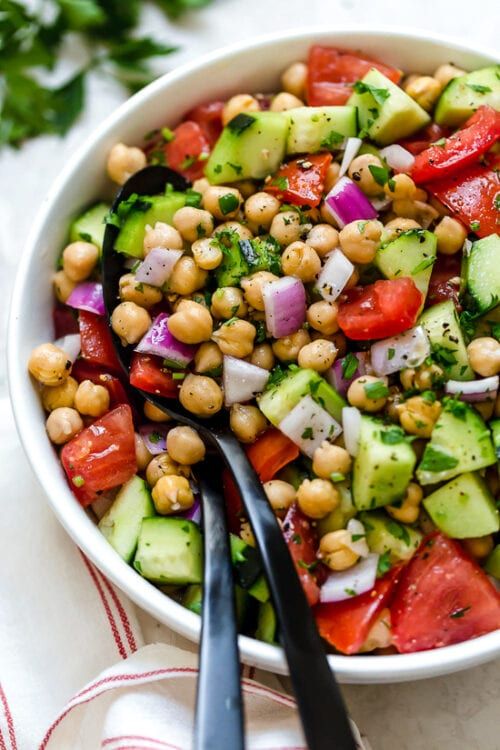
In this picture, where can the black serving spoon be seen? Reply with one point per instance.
(319, 700)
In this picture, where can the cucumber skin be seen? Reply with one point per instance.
(90, 225)
(131, 236)
(483, 273)
(122, 523)
(458, 101)
(155, 558)
(433, 320)
(405, 253)
(463, 508)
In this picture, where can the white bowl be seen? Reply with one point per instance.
(254, 66)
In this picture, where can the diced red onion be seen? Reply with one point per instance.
(334, 275)
(358, 545)
(351, 149)
(242, 381)
(308, 425)
(335, 374)
(87, 296)
(155, 437)
(351, 423)
(157, 266)
(408, 349)
(194, 512)
(160, 342)
(285, 306)
(71, 344)
(346, 202)
(467, 247)
(346, 584)
(398, 158)
(474, 390)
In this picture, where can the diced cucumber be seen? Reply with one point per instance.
(383, 468)
(266, 623)
(251, 146)
(447, 342)
(319, 128)
(483, 273)
(339, 517)
(495, 431)
(122, 522)
(169, 550)
(463, 95)
(384, 534)
(385, 112)
(411, 254)
(90, 225)
(246, 561)
(260, 590)
(463, 508)
(193, 597)
(278, 400)
(492, 565)
(130, 240)
(460, 442)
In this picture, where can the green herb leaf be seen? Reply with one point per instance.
(380, 95)
(392, 435)
(228, 203)
(435, 460)
(398, 531)
(308, 434)
(458, 613)
(390, 353)
(376, 390)
(479, 89)
(475, 226)
(240, 123)
(350, 365)
(423, 265)
(332, 139)
(384, 564)
(379, 174)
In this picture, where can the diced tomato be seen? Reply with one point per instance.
(101, 456)
(209, 117)
(147, 373)
(302, 544)
(234, 504)
(331, 73)
(445, 281)
(464, 147)
(423, 139)
(444, 597)
(188, 150)
(345, 625)
(97, 344)
(301, 181)
(65, 321)
(83, 370)
(270, 453)
(472, 195)
(378, 310)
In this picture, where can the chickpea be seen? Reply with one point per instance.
(479, 547)
(260, 209)
(154, 414)
(185, 446)
(418, 416)
(200, 395)
(243, 232)
(253, 285)
(193, 223)
(200, 185)
(191, 323)
(235, 338)
(409, 509)
(284, 101)
(484, 356)
(262, 356)
(332, 175)
(331, 459)
(246, 534)
(222, 202)
(92, 399)
(286, 227)
(281, 495)
(424, 90)
(445, 73)
(143, 456)
(317, 497)
(63, 286)
(246, 187)
(323, 238)
(186, 277)
(49, 365)
(294, 79)
(322, 316)
(287, 348)
(360, 240)
(340, 342)
(425, 377)
(359, 393)
(228, 302)
(247, 422)
(485, 409)
(395, 227)
(301, 260)
(422, 213)
(172, 494)
(319, 355)
(130, 322)
(79, 260)
(451, 235)
(208, 358)
(400, 187)
(56, 396)
(162, 235)
(161, 465)
(124, 161)
(63, 424)
(141, 294)
(359, 172)
(421, 195)
(353, 279)
(207, 254)
(238, 104)
(335, 550)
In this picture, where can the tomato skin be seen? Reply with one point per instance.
(97, 344)
(441, 287)
(209, 117)
(443, 597)
(147, 374)
(102, 455)
(189, 142)
(379, 310)
(331, 72)
(270, 453)
(302, 544)
(345, 625)
(83, 370)
(304, 183)
(478, 135)
(423, 139)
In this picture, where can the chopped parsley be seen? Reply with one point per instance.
(78, 481)
(392, 436)
(384, 563)
(479, 88)
(350, 365)
(361, 226)
(379, 174)
(380, 95)
(444, 356)
(277, 375)
(497, 201)
(351, 592)
(240, 123)
(376, 390)
(336, 476)
(440, 142)
(423, 265)
(308, 434)
(280, 182)
(307, 566)
(296, 539)
(332, 139)
(456, 407)
(475, 225)
(155, 437)
(228, 203)
(167, 135)
(398, 531)
(390, 353)
(435, 460)
(458, 613)
(133, 203)
(193, 198)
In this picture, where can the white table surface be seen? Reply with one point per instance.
(458, 712)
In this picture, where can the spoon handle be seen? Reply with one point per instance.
(219, 708)
(322, 710)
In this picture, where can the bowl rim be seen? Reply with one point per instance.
(355, 669)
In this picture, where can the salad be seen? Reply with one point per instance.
(331, 280)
